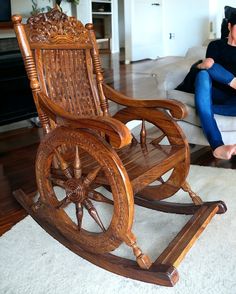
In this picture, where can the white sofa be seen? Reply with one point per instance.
(169, 77)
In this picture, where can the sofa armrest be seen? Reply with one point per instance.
(169, 77)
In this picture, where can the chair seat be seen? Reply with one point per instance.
(143, 164)
(150, 162)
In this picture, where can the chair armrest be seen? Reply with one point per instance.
(177, 109)
(118, 134)
(154, 117)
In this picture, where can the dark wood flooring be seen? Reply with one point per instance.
(18, 147)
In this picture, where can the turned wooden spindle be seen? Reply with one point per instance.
(143, 134)
(143, 260)
(79, 214)
(77, 164)
(98, 70)
(91, 176)
(93, 213)
(195, 198)
(30, 68)
(95, 195)
(63, 164)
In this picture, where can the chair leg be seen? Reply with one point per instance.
(143, 260)
(195, 198)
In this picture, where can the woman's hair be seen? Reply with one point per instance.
(224, 25)
(232, 19)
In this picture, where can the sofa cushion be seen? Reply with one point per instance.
(196, 52)
(184, 97)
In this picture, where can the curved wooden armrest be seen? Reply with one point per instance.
(118, 134)
(156, 117)
(177, 109)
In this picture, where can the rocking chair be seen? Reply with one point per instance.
(93, 158)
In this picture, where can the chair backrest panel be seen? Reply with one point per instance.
(65, 75)
(63, 53)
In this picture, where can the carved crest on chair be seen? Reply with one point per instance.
(56, 27)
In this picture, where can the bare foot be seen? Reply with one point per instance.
(233, 83)
(206, 63)
(224, 151)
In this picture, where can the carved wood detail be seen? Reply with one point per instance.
(56, 27)
(86, 149)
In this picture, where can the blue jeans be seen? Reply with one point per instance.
(210, 101)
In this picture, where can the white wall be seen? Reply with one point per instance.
(82, 11)
(219, 13)
(188, 20)
(24, 7)
(121, 23)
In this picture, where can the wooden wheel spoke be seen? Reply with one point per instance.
(64, 202)
(57, 182)
(161, 180)
(93, 213)
(79, 214)
(91, 176)
(158, 140)
(97, 196)
(63, 164)
(134, 140)
(77, 164)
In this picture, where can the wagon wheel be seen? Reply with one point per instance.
(85, 163)
(157, 128)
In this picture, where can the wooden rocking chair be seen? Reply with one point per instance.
(95, 159)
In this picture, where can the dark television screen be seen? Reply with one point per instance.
(5, 10)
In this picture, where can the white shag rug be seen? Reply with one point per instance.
(32, 262)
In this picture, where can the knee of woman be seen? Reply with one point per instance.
(209, 62)
(203, 79)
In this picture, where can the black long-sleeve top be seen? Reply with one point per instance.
(225, 55)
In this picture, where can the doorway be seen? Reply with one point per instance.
(140, 29)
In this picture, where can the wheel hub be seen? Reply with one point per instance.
(75, 190)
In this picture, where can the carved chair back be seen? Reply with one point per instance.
(62, 62)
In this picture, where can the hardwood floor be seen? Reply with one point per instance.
(18, 147)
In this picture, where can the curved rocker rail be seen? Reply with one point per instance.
(162, 272)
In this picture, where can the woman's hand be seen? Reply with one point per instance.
(206, 63)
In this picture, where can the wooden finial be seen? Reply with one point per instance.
(89, 26)
(16, 19)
